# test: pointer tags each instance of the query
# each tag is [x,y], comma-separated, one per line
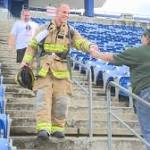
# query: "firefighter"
[53,86]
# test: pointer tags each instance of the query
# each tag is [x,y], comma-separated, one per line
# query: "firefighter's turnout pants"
[51,103]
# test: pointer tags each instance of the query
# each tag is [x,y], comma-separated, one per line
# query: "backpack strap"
[40,39]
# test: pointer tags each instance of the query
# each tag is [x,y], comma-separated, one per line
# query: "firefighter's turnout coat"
[52,85]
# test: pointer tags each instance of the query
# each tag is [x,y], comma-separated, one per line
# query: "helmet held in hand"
[25,77]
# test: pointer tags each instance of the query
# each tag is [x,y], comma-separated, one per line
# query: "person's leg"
[143,113]
[60,106]
[43,86]
[20,55]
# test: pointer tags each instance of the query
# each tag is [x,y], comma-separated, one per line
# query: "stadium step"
[97,115]
[73,102]
[74,105]
[26,121]
[77,143]
[76,131]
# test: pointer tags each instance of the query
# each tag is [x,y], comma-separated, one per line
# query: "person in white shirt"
[21,33]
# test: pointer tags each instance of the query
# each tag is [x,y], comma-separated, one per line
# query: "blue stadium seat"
[99,69]
[4,144]
[2,90]
[84,61]
[73,55]
[78,57]
[4,125]
[2,96]
[125,82]
[91,63]
[115,75]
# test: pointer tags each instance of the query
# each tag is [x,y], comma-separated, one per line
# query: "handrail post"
[117,88]
[109,117]
[130,97]
[90,97]
[90,105]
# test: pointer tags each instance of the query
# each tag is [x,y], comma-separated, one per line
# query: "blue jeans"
[143,113]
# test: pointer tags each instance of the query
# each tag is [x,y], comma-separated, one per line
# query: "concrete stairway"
[20,107]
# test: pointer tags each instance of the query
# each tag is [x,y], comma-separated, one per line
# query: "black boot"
[41,140]
[58,134]
[43,135]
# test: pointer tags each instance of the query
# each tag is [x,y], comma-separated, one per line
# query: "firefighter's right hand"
[24,64]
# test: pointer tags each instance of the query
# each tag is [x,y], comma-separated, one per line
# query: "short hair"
[63,5]
[146,32]
[25,12]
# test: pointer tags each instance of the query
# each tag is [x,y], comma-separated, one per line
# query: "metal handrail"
[110,114]
[89,93]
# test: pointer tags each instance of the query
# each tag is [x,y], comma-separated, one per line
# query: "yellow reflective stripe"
[82,43]
[33,43]
[27,58]
[43,72]
[61,74]
[86,45]
[78,43]
[55,47]
[56,128]
[43,126]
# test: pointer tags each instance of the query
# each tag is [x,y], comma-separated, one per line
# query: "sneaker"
[58,134]
[43,134]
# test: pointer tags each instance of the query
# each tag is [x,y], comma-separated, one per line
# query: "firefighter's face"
[63,13]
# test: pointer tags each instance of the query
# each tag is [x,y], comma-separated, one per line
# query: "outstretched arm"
[99,55]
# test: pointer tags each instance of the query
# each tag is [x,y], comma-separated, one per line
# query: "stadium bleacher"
[5,121]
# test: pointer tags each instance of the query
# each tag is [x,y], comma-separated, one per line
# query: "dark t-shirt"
[138,59]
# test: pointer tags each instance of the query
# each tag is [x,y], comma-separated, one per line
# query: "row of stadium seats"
[5,141]
[112,38]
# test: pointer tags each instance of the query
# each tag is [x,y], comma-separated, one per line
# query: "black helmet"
[25,77]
